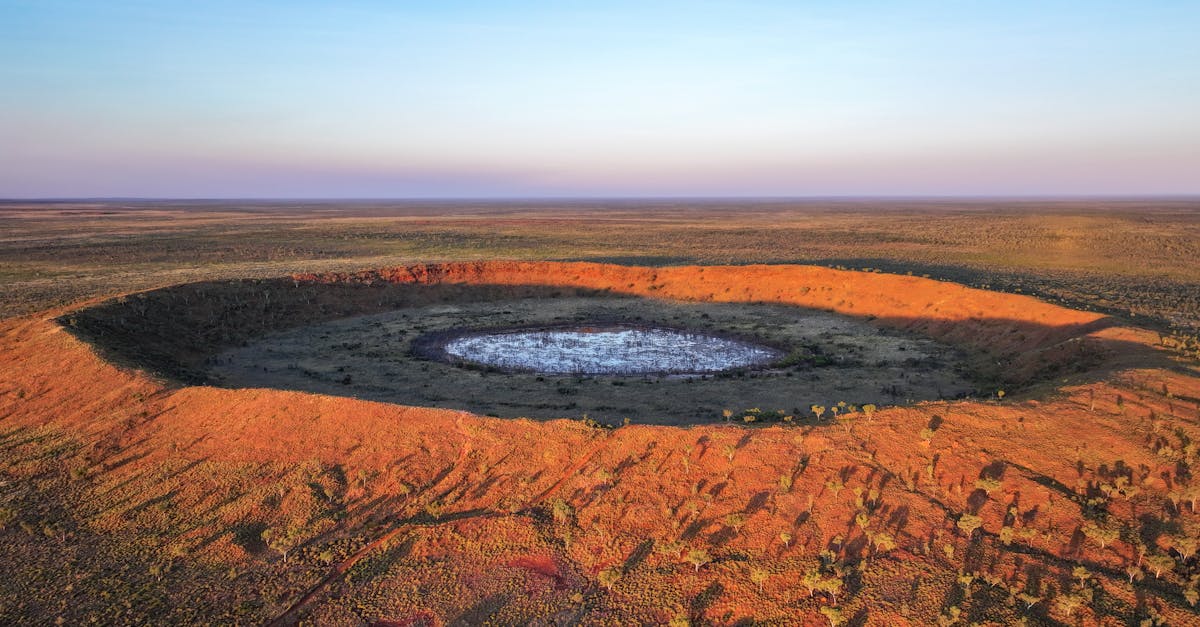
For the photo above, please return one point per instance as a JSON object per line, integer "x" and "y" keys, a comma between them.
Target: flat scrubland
{"x": 134, "y": 491}
{"x": 1130, "y": 257}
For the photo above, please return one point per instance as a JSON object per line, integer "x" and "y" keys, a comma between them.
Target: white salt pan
{"x": 608, "y": 351}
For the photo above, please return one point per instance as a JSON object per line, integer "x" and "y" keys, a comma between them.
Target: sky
{"x": 361, "y": 99}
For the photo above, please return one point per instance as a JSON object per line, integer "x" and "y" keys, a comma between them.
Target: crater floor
{"x": 822, "y": 359}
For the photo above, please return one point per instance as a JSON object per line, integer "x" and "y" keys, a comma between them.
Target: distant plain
{"x": 1138, "y": 257}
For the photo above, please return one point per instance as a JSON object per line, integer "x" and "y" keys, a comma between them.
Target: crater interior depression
{"x": 568, "y": 357}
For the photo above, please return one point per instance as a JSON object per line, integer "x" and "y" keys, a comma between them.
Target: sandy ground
{"x": 130, "y": 499}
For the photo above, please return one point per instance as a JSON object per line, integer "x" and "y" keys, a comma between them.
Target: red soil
{"x": 1115, "y": 401}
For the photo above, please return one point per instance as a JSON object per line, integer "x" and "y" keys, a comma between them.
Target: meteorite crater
{"x": 500, "y": 347}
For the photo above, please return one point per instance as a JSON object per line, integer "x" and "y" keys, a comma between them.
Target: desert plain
{"x": 983, "y": 412}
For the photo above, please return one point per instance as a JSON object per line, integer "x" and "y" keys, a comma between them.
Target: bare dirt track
{"x": 980, "y": 509}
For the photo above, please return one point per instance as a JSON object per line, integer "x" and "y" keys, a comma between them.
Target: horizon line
{"x": 594, "y": 198}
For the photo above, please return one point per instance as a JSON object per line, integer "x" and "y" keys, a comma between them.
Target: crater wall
{"x": 171, "y": 331}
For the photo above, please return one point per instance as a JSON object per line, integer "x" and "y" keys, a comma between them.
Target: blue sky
{"x": 465, "y": 99}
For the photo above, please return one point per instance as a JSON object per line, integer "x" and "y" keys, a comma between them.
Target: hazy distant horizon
{"x": 623, "y": 199}
{"x": 366, "y": 99}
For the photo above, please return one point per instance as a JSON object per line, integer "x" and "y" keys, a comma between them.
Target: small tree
{"x": 669, "y": 548}
{"x": 283, "y": 539}
{"x": 836, "y": 485}
{"x": 1081, "y": 573}
{"x": 1101, "y": 534}
{"x": 1159, "y": 563}
{"x": 832, "y": 585}
{"x": 966, "y": 580}
{"x": 1068, "y": 603}
{"x": 1185, "y": 546}
{"x": 883, "y": 542}
{"x": 847, "y": 420}
{"x": 1141, "y": 549}
{"x": 818, "y": 411}
{"x": 698, "y": 558}
{"x": 950, "y": 617}
{"x": 833, "y": 615}
{"x": 759, "y": 576}
{"x": 812, "y": 581}
{"x": 969, "y": 523}
{"x": 1029, "y": 600}
{"x": 562, "y": 511}
{"x": 988, "y": 484}
{"x": 609, "y": 577}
